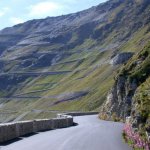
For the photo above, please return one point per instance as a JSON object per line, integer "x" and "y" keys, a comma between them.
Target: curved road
{"x": 90, "y": 134}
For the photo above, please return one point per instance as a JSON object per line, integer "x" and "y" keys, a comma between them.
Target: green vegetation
{"x": 138, "y": 67}
{"x": 142, "y": 98}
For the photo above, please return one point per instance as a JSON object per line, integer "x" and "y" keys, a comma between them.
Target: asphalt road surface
{"x": 90, "y": 134}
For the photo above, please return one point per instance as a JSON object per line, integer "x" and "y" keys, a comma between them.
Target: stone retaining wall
{"x": 80, "y": 113}
{"x": 10, "y": 131}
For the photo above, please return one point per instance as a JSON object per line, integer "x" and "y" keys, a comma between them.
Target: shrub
{"x": 134, "y": 138}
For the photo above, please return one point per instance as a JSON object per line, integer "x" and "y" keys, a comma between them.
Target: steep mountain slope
{"x": 65, "y": 63}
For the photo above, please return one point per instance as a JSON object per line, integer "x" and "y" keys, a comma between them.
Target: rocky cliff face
{"x": 119, "y": 98}
{"x": 121, "y": 58}
{"x": 130, "y": 94}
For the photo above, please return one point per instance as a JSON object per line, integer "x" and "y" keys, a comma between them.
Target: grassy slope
{"x": 90, "y": 72}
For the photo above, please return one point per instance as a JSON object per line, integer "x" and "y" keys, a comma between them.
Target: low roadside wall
{"x": 10, "y": 131}
{"x": 81, "y": 113}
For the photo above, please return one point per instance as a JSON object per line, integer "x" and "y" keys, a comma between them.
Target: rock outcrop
{"x": 119, "y": 98}
{"x": 121, "y": 58}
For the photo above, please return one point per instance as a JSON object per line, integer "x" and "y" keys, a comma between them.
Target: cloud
{"x": 4, "y": 11}
{"x": 15, "y": 20}
{"x": 44, "y": 9}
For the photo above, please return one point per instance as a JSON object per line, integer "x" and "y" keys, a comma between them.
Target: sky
{"x": 18, "y": 11}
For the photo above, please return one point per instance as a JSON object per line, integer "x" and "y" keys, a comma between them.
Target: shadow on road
{"x": 10, "y": 142}
{"x": 16, "y": 139}
{"x": 75, "y": 124}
